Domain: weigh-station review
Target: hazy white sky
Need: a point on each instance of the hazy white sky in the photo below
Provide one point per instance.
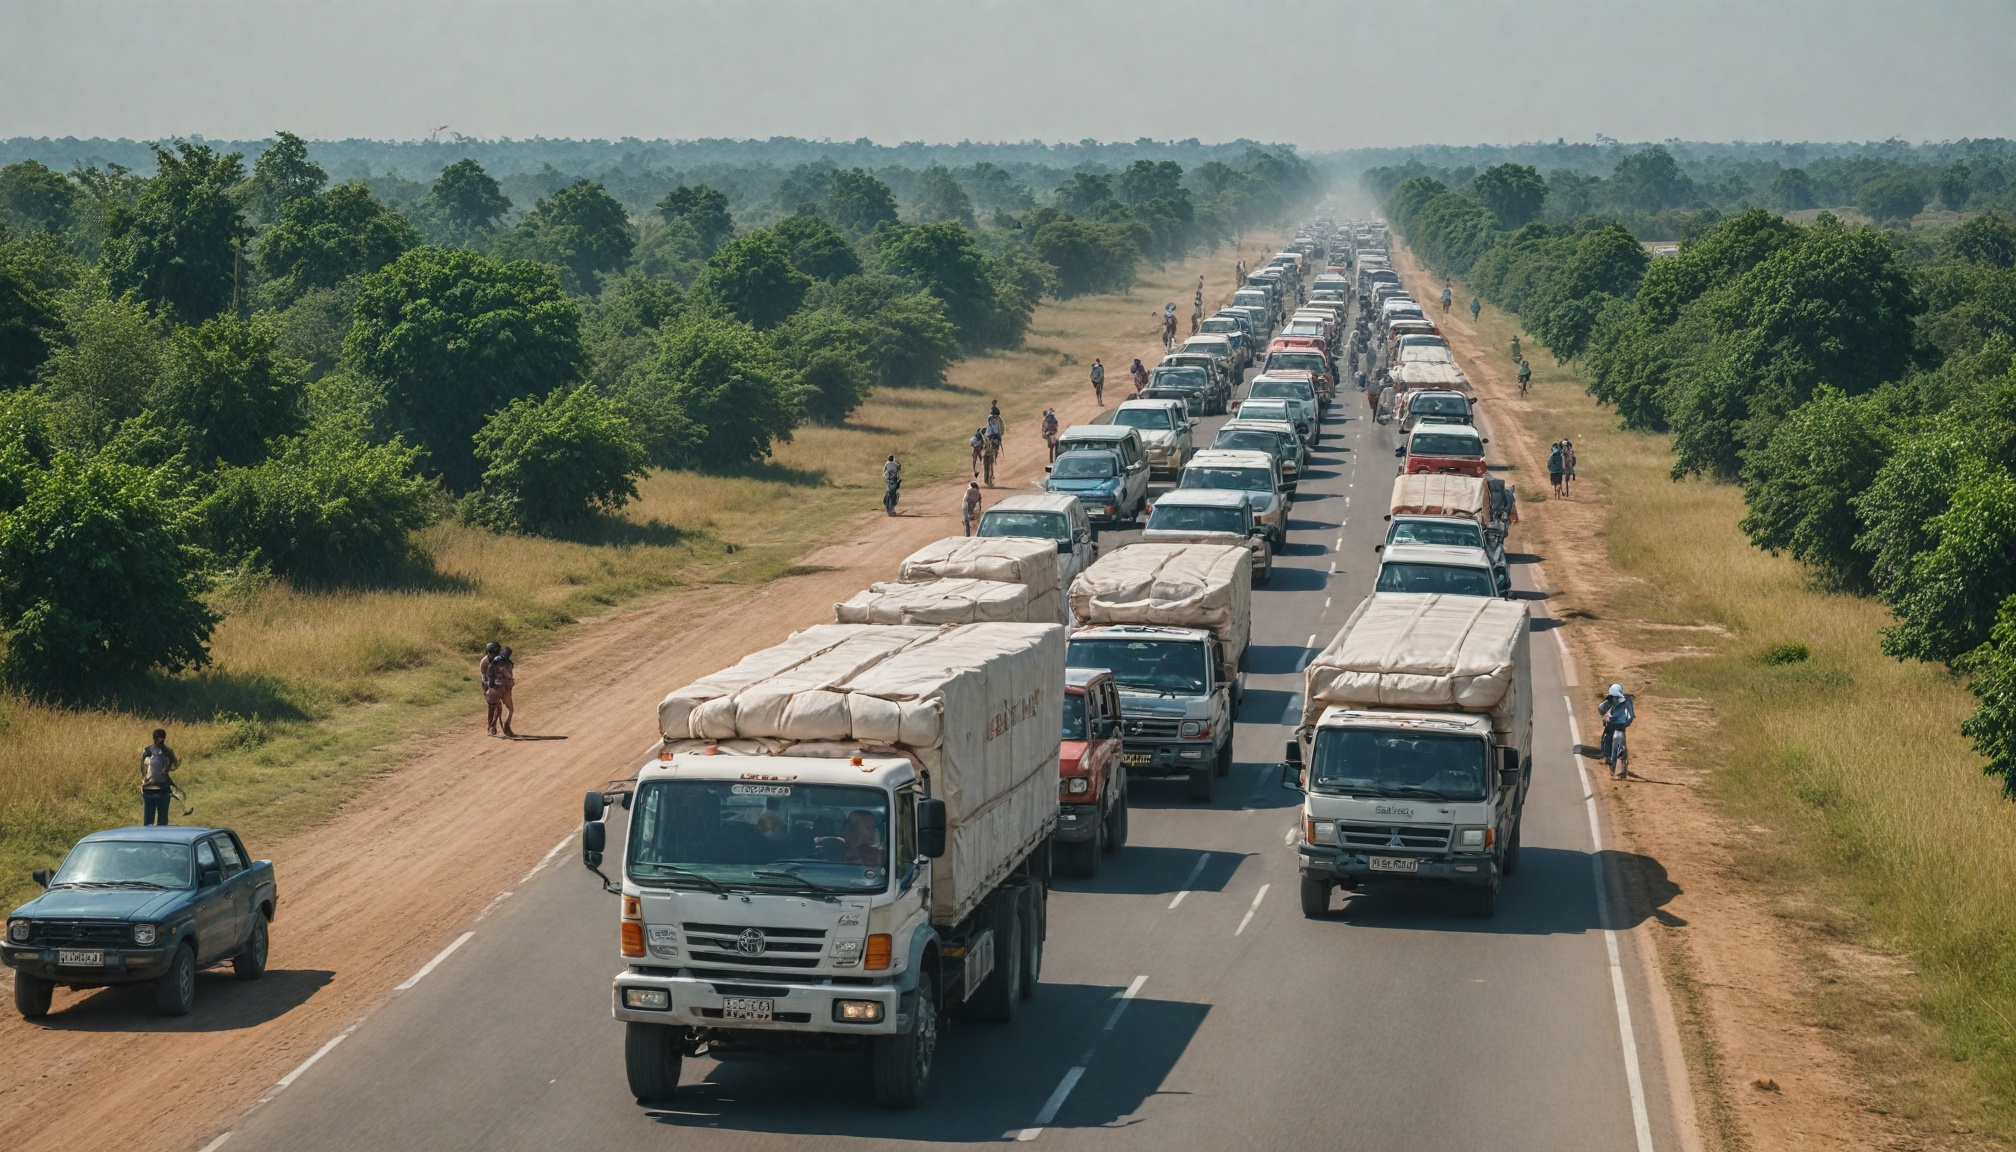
(1327, 74)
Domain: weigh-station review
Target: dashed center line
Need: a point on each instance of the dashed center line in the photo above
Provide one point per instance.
(1062, 1092)
(1248, 918)
(1194, 873)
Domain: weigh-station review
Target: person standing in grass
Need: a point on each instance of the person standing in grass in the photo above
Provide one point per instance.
(157, 763)
(483, 676)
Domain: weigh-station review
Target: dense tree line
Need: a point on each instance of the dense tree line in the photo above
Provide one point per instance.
(214, 368)
(1859, 384)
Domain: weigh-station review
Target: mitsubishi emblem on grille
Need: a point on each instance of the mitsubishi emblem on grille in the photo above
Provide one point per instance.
(751, 942)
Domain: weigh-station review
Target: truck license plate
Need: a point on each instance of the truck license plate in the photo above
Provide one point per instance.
(71, 959)
(740, 1008)
(1134, 759)
(1393, 863)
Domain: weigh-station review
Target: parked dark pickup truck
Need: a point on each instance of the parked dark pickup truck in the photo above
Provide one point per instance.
(142, 904)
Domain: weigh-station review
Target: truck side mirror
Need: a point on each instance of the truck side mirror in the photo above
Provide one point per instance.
(1291, 766)
(210, 877)
(931, 827)
(1508, 767)
(1378, 547)
(594, 838)
(42, 876)
(593, 806)
(1400, 451)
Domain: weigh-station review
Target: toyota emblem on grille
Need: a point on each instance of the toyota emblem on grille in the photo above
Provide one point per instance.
(751, 942)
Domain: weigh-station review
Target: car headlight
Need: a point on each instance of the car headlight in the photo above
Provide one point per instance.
(1319, 831)
(19, 931)
(1473, 839)
(143, 935)
(1077, 785)
(1195, 728)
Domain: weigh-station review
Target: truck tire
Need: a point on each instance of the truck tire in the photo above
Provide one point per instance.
(175, 991)
(1082, 858)
(1484, 901)
(651, 1061)
(251, 963)
(1116, 823)
(902, 1064)
(1511, 861)
(1223, 767)
(1001, 992)
(1315, 898)
(1200, 785)
(32, 995)
(1032, 941)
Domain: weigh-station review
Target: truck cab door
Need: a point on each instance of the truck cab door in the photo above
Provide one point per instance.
(238, 891)
(913, 901)
(216, 922)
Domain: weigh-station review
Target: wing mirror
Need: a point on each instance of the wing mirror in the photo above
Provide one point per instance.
(210, 877)
(1378, 547)
(42, 876)
(931, 827)
(1400, 452)
(1291, 766)
(1508, 767)
(594, 840)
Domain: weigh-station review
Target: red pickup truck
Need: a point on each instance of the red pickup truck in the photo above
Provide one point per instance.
(1091, 781)
(1301, 354)
(1450, 448)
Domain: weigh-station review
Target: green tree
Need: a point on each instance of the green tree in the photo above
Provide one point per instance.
(752, 279)
(177, 245)
(464, 202)
(946, 261)
(940, 198)
(1146, 180)
(555, 461)
(106, 361)
(1087, 257)
(581, 228)
(1946, 605)
(1792, 190)
(817, 248)
(1515, 193)
(1987, 239)
(33, 197)
(1801, 486)
(908, 341)
(713, 396)
(452, 336)
(27, 321)
(326, 238)
(619, 326)
(1606, 263)
(994, 190)
(828, 350)
(1649, 181)
(857, 202)
(282, 174)
(1954, 184)
(225, 389)
(96, 583)
(1888, 199)
(703, 209)
(1992, 679)
(1083, 193)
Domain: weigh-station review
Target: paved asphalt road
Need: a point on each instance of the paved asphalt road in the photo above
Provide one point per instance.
(1198, 1007)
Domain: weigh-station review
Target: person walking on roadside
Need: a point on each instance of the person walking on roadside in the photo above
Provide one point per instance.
(1098, 382)
(486, 676)
(990, 451)
(157, 783)
(995, 427)
(1556, 462)
(1239, 274)
(1140, 374)
(1516, 357)
(1445, 298)
(979, 445)
(1568, 468)
(969, 508)
(892, 482)
(1476, 307)
(503, 676)
(1050, 430)
(1525, 374)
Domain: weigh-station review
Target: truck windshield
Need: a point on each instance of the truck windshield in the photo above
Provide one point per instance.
(1443, 578)
(744, 834)
(1156, 417)
(1237, 479)
(1074, 716)
(1384, 762)
(1190, 518)
(1083, 466)
(1439, 403)
(1041, 525)
(113, 863)
(1459, 533)
(1171, 667)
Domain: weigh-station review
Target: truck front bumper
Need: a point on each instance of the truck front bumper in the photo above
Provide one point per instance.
(698, 1002)
(1169, 758)
(1317, 862)
(1077, 823)
(122, 965)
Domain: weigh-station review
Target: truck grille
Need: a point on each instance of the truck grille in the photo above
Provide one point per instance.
(80, 932)
(1419, 838)
(1151, 729)
(778, 948)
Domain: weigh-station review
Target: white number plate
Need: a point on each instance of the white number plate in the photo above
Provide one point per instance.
(80, 959)
(1393, 863)
(740, 1008)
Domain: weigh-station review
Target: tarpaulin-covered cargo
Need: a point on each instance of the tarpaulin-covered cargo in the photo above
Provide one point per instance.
(937, 602)
(1429, 374)
(1175, 585)
(979, 706)
(1008, 559)
(1427, 653)
(1426, 354)
(1436, 494)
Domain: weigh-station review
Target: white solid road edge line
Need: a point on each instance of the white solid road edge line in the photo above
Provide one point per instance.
(1194, 873)
(213, 1145)
(1248, 919)
(431, 964)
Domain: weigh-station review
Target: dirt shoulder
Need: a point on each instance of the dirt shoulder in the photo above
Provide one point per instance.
(1762, 1072)
(368, 897)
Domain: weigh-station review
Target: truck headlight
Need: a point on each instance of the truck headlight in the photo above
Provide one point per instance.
(19, 930)
(654, 999)
(143, 935)
(1195, 729)
(857, 1011)
(1473, 839)
(1319, 831)
(1077, 785)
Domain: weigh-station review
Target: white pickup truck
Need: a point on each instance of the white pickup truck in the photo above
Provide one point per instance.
(839, 839)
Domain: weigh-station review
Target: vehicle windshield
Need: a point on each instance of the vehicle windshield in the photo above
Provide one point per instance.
(1458, 533)
(1178, 377)
(1295, 362)
(1303, 328)
(1015, 522)
(1222, 324)
(1267, 410)
(1446, 579)
(1191, 399)
(1173, 667)
(1438, 404)
(1191, 518)
(1084, 466)
(1252, 297)
(114, 863)
(1281, 390)
(1206, 347)
(1155, 418)
(745, 834)
(1443, 444)
(1375, 762)
(1235, 479)
(1248, 440)
(1074, 716)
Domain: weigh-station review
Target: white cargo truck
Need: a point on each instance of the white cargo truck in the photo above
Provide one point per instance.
(1416, 746)
(838, 839)
(937, 602)
(1009, 559)
(1171, 622)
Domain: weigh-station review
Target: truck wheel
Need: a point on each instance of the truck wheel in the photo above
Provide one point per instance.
(999, 994)
(1224, 766)
(1032, 943)
(1116, 824)
(1484, 902)
(32, 995)
(651, 1061)
(1200, 785)
(1081, 858)
(1511, 862)
(251, 963)
(902, 1064)
(175, 991)
(1315, 898)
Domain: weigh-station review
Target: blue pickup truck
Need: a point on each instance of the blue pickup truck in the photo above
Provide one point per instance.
(142, 905)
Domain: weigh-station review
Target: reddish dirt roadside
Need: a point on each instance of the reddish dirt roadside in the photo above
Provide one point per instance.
(369, 897)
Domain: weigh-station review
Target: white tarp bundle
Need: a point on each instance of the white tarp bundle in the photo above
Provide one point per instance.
(937, 602)
(1434, 653)
(1435, 494)
(1426, 354)
(1021, 560)
(979, 706)
(1178, 585)
(1429, 374)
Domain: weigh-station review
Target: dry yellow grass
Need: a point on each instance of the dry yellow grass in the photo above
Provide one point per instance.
(1876, 833)
(310, 693)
